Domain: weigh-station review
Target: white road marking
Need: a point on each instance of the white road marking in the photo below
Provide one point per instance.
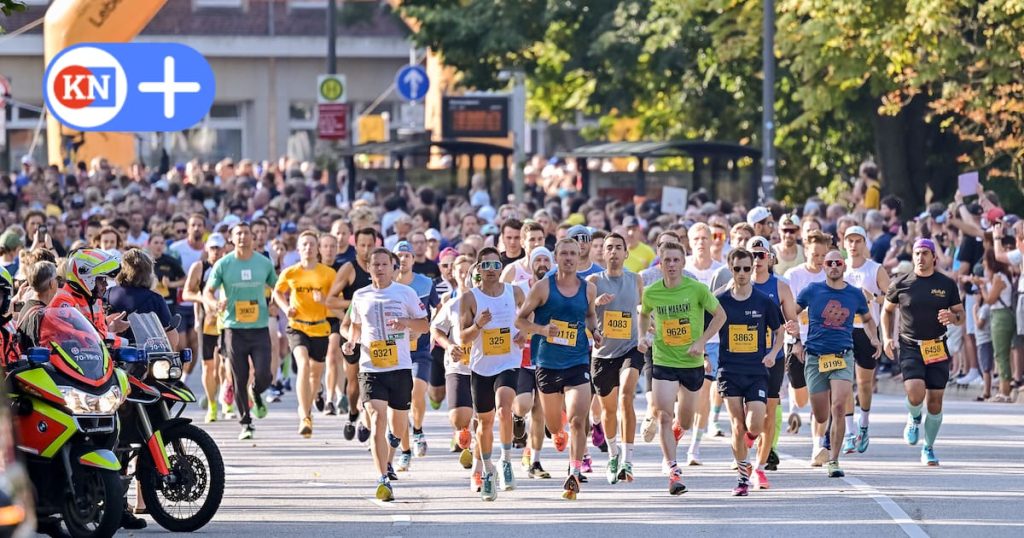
(401, 520)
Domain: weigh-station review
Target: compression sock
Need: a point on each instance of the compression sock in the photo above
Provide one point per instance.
(932, 423)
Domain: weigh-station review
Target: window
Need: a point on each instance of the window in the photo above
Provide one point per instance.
(301, 130)
(307, 4)
(22, 122)
(199, 4)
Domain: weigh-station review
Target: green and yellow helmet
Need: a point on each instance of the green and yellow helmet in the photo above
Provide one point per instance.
(85, 265)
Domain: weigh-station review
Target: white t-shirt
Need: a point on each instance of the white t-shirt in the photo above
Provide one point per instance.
(865, 277)
(382, 349)
(138, 241)
(704, 276)
(188, 256)
(799, 278)
(446, 320)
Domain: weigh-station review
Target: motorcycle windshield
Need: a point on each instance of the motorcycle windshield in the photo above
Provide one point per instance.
(149, 333)
(71, 338)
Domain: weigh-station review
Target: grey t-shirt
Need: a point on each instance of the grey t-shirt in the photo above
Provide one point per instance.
(617, 319)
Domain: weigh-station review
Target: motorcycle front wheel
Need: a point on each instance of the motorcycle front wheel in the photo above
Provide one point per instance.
(190, 500)
(95, 507)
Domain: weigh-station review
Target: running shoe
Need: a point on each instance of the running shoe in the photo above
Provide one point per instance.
(393, 440)
(343, 404)
(772, 464)
(247, 433)
(259, 408)
(863, 439)
(273, 395)
(561, 440)
(794, 423)
(404, 461)
(850, 443)
(536, 471)
(742, 489)
(518, 431)
(229, 411)
(649, 429)
(362, 433)
(286, 384)
(453, 446)
(435, 405)
(306, 427)
(507, 478)
(928, 456)
(476, 482)
(761, 479)
(716, 430)
(675, 483)
(677, 430)
(488, 489)
(466, 459)
(227, 394)
(211, 413)
(912, 430)
(612, 472)
(349, 431)
(834, 471)
(588, 464)
(525, 460)
(826, 441)
(465, 438)
(419, 443)
(597, 435)
(583, 478)
(693, 457)
(330, 410)
(385, 493)
(819, 457)
(626, 473)
(392, 475)
(570, 488)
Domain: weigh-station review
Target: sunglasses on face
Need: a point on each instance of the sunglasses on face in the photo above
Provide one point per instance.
(181, 231)
(738, 269)
(718, 236)
(834, 263)
(790, 230)
(759, 254)
(490, 265)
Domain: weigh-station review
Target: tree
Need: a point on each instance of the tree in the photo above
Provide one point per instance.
(7, 7)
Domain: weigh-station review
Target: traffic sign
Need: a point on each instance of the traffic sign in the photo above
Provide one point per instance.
(412, 82)
(332, 121)
(331, 89)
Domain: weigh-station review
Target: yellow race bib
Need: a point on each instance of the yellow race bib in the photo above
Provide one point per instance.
(383, 353)
(768, 339)
(676, 332)
(858, 319)
(465, 354)
(933, 351)
(805, 319)
(414, 343)
(566, 334)
(618, 324)
(497, 341)
(247, 311)
(831, 363)
(742, 338)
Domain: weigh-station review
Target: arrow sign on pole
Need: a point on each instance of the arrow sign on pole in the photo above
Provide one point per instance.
(412, 82)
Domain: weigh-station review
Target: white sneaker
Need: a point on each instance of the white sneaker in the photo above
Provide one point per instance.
(693, 457)
(820, 456)
(973, 377)
(716, 431)
(649, 429)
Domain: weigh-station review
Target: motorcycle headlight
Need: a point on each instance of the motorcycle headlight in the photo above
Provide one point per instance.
(164, 369)
(83, 403)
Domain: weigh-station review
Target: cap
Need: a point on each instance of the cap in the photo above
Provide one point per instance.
(216, 240)
(230, 221)
(402, 246)
(758, 214)
(994, 214)
(538, 252)
(789, 220)
(855, 230)
(27, 159)
(11, 240)
(487, 213)
(489, 229)
(630, 221)
(924, 243)
(433, 235)
(448, 252)
(576, 219)
(289, 228)
(758, 242)
(579, 233)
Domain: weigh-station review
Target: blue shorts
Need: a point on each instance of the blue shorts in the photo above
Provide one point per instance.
(421, 368)
(712, 352)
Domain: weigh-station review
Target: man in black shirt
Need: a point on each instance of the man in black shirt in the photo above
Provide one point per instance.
(342, 230)
(511, 242)
(422, 264)
(923, 354)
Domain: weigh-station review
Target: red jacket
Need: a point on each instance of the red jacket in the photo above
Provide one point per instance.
(67, 297)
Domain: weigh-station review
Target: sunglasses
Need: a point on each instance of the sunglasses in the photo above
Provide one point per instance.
(490, 265)
(790, 230)
(759, 254)
(738, 269)
(834, 263)
(718, 236)
(181, 231)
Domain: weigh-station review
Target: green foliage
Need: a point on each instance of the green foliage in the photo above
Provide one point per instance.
(7, 7)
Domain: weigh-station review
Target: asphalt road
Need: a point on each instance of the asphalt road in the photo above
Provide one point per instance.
(280, 484)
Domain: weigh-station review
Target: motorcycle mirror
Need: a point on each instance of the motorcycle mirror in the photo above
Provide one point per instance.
(186, 355)
(131, 355)
(38, 355)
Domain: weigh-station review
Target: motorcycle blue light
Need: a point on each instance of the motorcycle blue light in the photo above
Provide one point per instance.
(186, 355)
(38, 355)
(131, 355)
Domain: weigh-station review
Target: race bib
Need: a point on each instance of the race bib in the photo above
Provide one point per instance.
(210, 325)
(831, 363)
(247, 311)
(465, 354)
(805, 319)
(497, 341)
(414, 343)
(858, 319)
(768, 339)
(246, 274)
(933, 351)
(383, 353)
(676, 332)
(617, 324)
(742, 338)
(566, 334)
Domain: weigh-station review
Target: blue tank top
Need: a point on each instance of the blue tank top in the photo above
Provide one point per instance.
(572, 311)
(771, 289)
(427, 293)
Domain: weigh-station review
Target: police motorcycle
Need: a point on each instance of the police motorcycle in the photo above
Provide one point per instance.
(65, 396)
(178, 465)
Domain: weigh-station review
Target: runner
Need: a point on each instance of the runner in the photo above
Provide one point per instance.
(617, 361)
(532, 234)
(828, 361)
(921, 348)
(678, 304)
(456, 362)
(789, 253)
(436, 386)
(352, 276)
(300, 293)
(210, 323)
(189, 250)
(754, 321)
(487, 318)
(563, 308)
(419, 348)
(332, 396)
(511, 242)
(242, 276)
(871, 278)
(383, 317)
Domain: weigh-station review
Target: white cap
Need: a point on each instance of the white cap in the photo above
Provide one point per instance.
(758, 242)
(433, 235)
(855, 230)
(216, 240)
(758, 214)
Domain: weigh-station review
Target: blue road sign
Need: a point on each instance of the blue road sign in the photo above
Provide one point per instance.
(412, 82)
(129, 87)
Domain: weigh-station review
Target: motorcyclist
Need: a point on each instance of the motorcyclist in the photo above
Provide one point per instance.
(87, 272)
